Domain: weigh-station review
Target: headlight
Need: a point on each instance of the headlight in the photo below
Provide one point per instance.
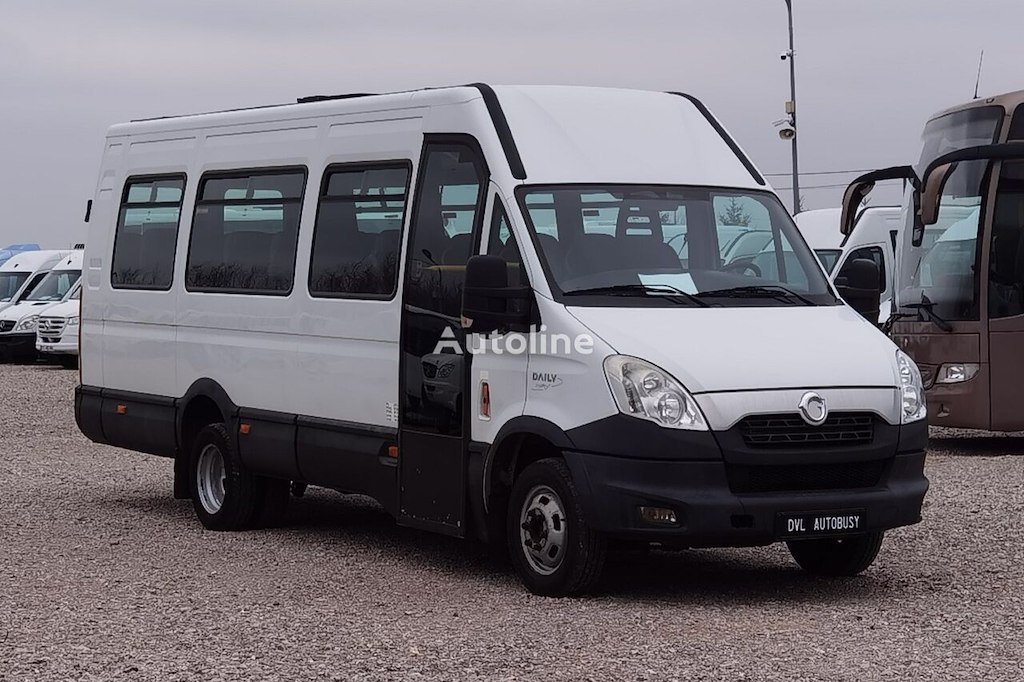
(642, 390)
(914, 406)
(28, 324)
(73, 320)
(956, 372)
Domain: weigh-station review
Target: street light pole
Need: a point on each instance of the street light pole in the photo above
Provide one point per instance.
(791, 109)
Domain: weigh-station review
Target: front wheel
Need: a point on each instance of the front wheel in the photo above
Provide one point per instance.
(836, 556)
(553, 549)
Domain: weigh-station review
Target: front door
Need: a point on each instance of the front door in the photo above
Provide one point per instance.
(434, 364)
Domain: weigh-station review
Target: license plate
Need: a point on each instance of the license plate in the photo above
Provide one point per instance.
(45, 348)
(820, 523)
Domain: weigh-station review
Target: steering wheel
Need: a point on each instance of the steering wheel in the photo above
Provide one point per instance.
(681, 246)
(742, 267)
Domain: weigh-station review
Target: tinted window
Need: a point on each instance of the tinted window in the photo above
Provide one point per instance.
(244, 233)
(1006, 260)
(358, 233)
(146, 233)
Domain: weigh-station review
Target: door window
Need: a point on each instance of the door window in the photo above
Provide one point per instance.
(1006, 259)
(445, 224)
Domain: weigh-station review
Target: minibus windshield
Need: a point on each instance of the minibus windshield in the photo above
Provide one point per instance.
(55, 285)
(722, 247)
(10, 282)
(941, 273)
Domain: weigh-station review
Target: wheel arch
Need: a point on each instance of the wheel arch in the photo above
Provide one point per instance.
(205, 402)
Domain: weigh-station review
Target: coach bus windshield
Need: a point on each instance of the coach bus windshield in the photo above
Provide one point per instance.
(942, 272)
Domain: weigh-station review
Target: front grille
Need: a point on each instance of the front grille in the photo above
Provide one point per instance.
(927, 374)
(790, 431)
(51, 326)
(6, 325)
(798, 477)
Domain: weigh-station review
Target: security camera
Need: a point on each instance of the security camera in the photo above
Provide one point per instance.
(787, 133)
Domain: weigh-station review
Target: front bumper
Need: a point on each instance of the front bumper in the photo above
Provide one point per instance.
(17, 344)
(726, 496)
(62, 346)
(710, 514)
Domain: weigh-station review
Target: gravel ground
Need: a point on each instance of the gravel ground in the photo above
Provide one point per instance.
(103, 576)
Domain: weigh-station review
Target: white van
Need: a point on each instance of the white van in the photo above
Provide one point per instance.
(515, 353)
(22, 272)
(873, 237)
(18, 322)
(57, 329)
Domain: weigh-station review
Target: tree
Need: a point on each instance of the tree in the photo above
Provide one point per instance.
(734, 214)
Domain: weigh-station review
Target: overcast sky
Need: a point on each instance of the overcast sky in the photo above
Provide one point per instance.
(868, 71)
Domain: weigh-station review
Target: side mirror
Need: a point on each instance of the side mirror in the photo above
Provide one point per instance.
(860, 286)
(863, 185)
(852, 199)
(488, 302)
(931, 198)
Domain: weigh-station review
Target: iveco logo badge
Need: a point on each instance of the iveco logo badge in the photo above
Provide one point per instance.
(813, 409)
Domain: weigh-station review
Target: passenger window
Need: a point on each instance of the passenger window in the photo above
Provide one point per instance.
(871, 253)
(1006, 259)
(244, 233)
(147, 233)
(358, 232)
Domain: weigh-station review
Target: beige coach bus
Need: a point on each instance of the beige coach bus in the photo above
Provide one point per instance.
(959, 295)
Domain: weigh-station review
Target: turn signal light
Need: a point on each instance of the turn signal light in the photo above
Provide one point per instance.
(244, 429)
(122, 409)
(393, 451)
(658, 515)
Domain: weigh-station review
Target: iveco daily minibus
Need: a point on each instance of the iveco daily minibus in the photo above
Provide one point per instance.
(463, 303)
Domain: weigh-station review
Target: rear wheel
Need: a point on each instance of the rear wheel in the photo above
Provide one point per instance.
(836, 556)
(224, 496)
(553, 549)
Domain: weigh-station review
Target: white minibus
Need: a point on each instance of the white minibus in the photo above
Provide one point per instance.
(57, 329)
(461, 302)
(22, 272)
(18, 322)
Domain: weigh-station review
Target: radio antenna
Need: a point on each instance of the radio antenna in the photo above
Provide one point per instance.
(977, 82)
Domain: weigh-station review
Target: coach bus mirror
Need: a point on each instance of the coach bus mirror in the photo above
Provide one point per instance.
(488, 300)
(931, 199)
(852, 199)
(860, 286)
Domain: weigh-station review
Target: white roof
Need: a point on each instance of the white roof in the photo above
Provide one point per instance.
(820, 227)
(583, 134)
(562, 133)
(30, 261)
(73, 260)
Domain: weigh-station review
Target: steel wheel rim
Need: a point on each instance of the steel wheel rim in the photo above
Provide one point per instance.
(543, 530)
(210, 475)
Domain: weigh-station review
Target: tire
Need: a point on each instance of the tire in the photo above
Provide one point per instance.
(565, 557)
(836, 556)
(235, 504)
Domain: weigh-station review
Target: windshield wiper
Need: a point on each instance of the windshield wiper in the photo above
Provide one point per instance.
(928, 307)
(758, 291)
(666, 290)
